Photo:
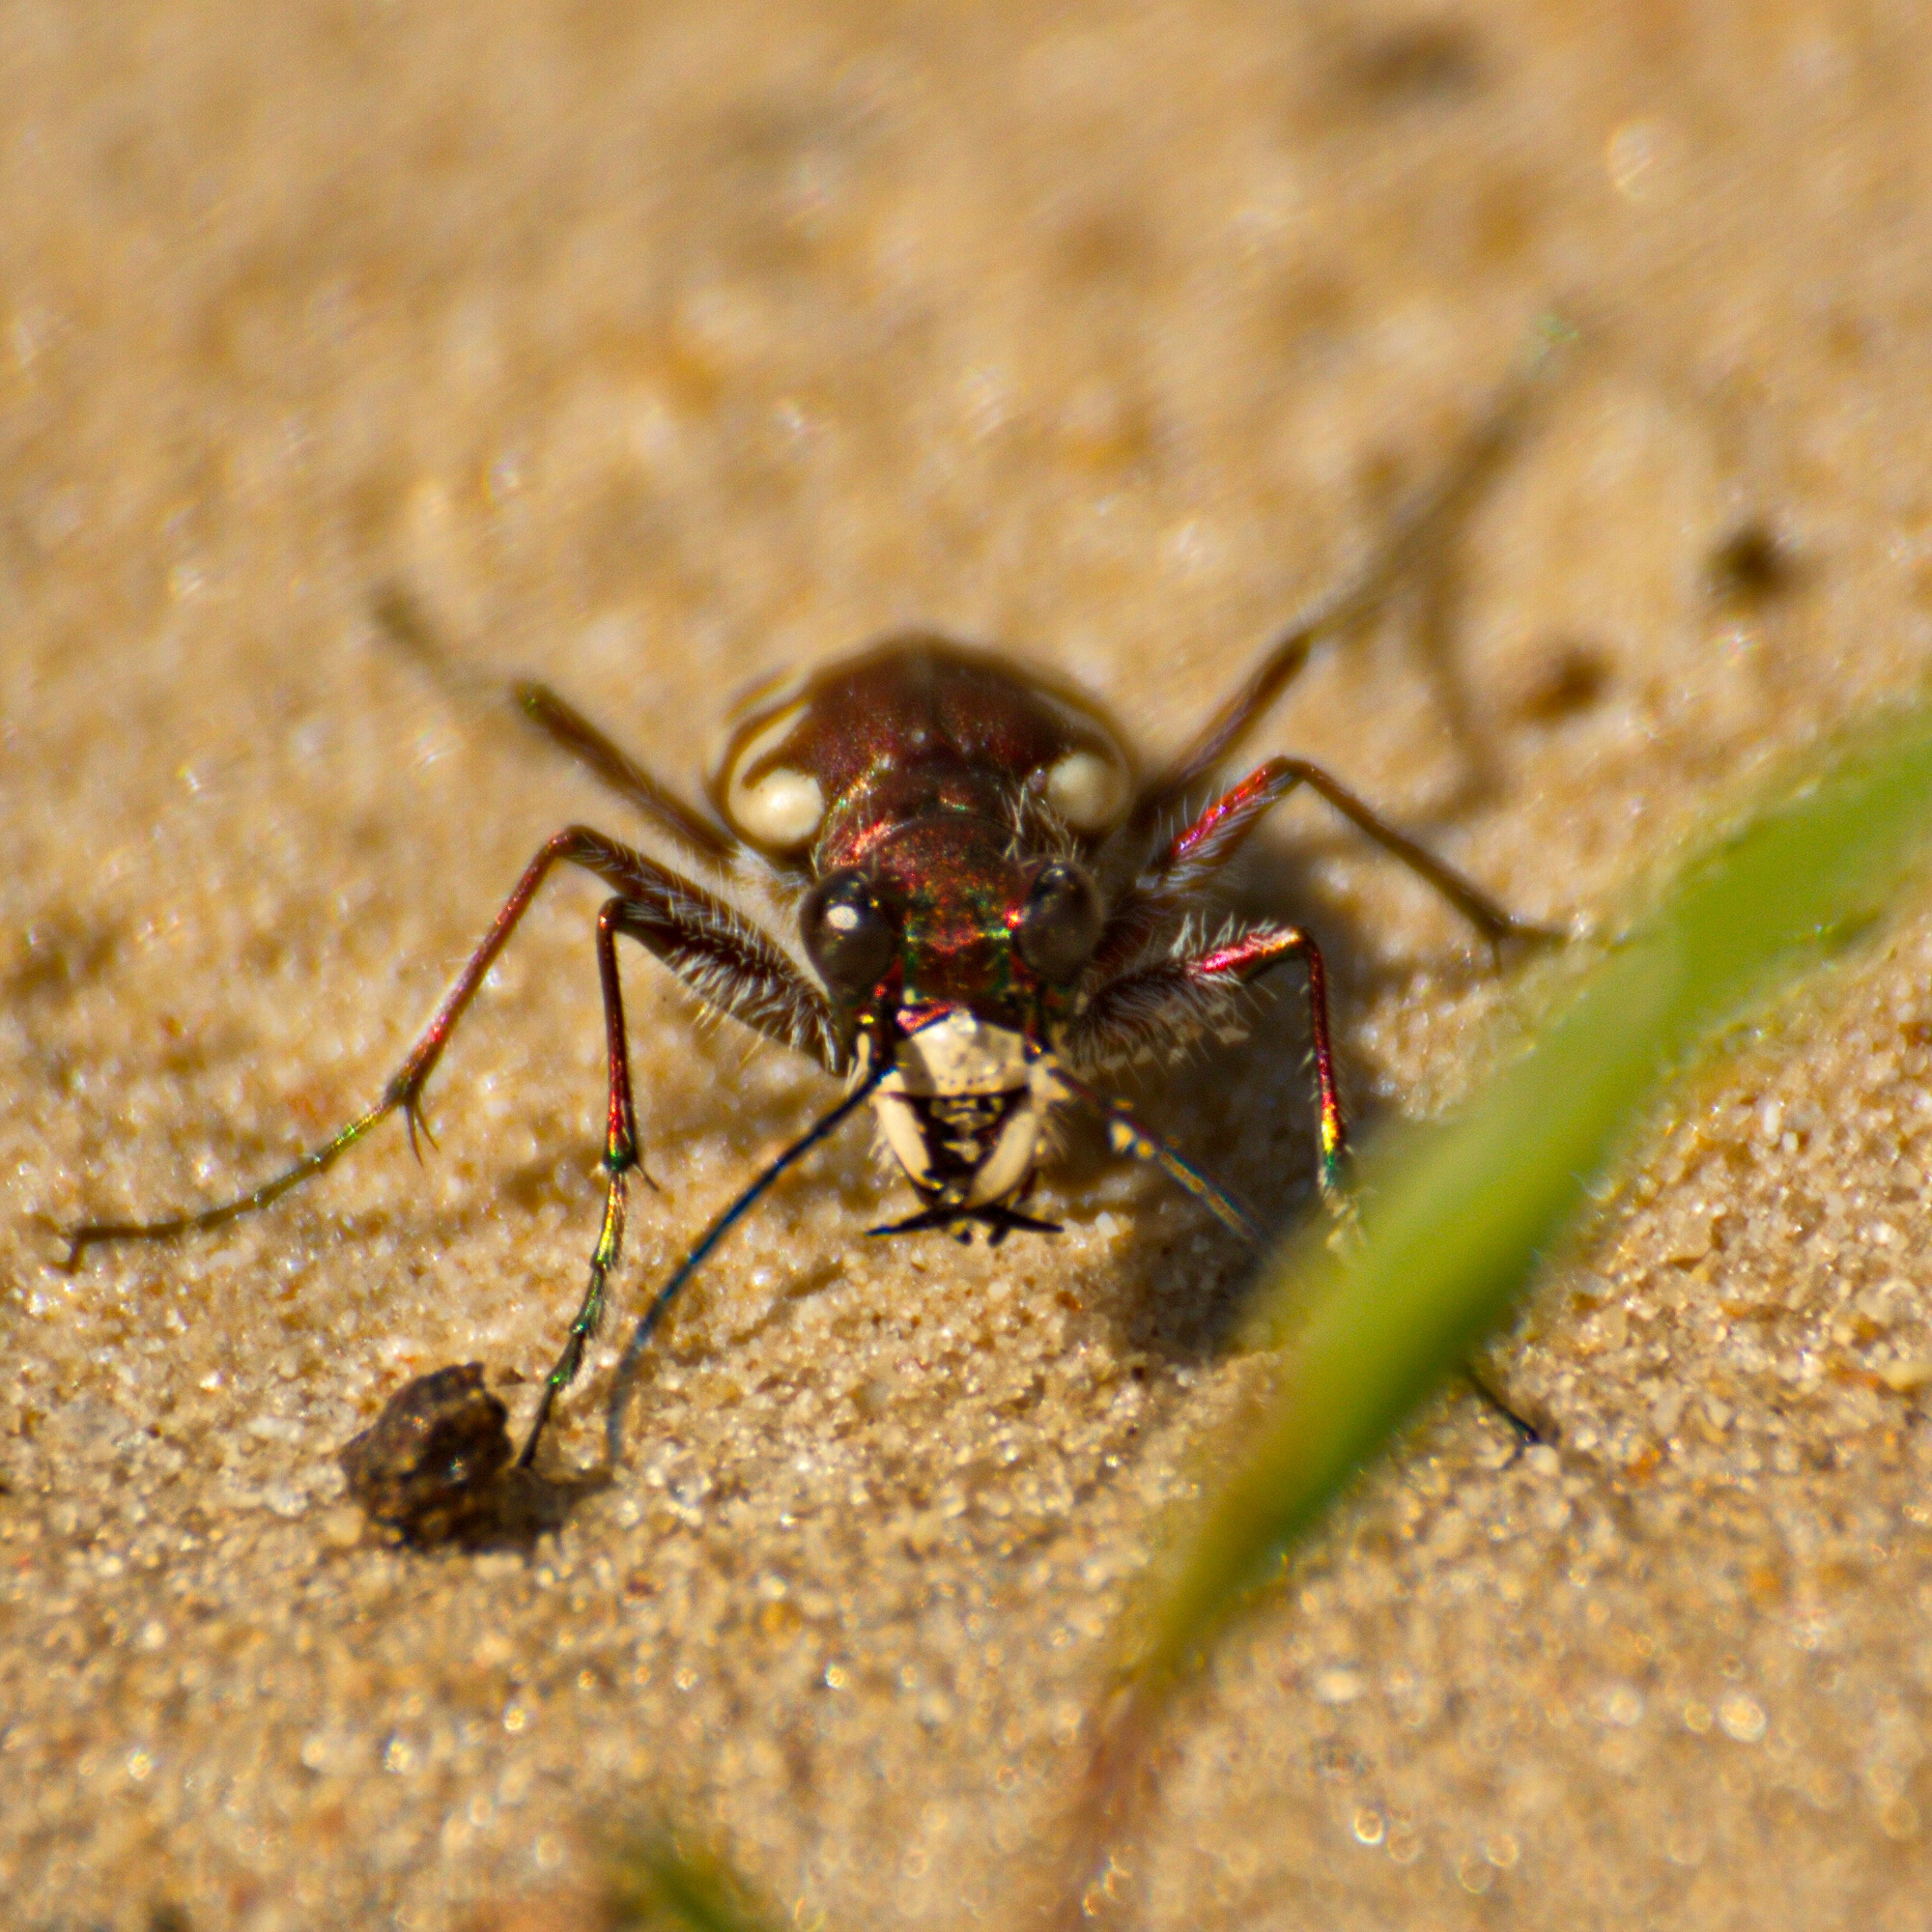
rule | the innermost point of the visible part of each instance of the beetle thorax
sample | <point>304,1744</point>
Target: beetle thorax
<point>963,1107</point>
<point>959,887</point>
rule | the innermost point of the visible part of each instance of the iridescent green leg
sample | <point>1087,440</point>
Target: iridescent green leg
<point>578,845</point>
<point>93,1233</point>
<point>620,1157</point>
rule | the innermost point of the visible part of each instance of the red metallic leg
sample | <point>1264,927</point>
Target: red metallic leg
<point>700,940</point>
<point>728,963</point>
<point>1177,997</point>
<point>404,1090</point>
<point>620,1157</point>
<point>1213,839</point>
<point>1247,958</point>
<point>1169,881</point>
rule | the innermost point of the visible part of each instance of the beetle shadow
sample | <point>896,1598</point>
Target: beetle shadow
<point>523,1505</point>
<point>511,1512</point>
<point>1244,1115</point>
<point>1246,1111</point>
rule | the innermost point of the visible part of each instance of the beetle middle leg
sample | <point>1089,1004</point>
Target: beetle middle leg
<point>1147,995</point>
<point>1161,894</point>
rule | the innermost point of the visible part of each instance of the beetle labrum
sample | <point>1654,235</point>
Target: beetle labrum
<point>989,914</point>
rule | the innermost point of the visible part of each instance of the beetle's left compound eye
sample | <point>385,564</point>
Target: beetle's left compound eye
<point>849,936</point>
<point>1061,923</point>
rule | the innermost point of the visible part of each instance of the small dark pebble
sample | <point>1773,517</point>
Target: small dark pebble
<point>1573,678</point>
<point>1425,60</point>
<point>1751,565</point>
<point>428,1465</point>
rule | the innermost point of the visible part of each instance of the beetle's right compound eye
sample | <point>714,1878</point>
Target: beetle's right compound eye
<point>849,936</point>
<point>1061,923</point>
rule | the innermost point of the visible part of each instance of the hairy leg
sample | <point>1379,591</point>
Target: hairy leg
<point>1191,989</point>
<point>1167,883</point>
<point>725,961</point>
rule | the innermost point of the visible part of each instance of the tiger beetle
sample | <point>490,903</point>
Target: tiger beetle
<point>993,909</point>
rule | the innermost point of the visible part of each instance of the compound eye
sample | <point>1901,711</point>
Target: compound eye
<point>848,935</point>
<point>1061,923</point>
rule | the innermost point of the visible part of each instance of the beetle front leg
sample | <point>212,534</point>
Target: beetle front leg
<point>1187,991</point>
<point>621,1158</point>
<point>1245,959</point>
<point>577,845</point>
<point>734,969</point>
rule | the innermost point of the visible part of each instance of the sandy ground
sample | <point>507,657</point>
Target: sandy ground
<point>659,349</point>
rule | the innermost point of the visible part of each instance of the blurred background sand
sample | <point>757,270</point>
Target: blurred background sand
<point>662,347</point>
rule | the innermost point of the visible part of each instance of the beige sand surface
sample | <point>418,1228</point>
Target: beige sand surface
<point>659,348</point>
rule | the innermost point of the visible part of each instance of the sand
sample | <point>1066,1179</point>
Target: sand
<point>660,350</point>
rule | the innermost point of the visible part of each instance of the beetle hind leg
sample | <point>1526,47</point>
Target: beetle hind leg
<point>1422,526</point>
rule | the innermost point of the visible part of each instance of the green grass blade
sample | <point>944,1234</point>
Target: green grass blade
<point>656,1884</point>
<point>1458,1214</point>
